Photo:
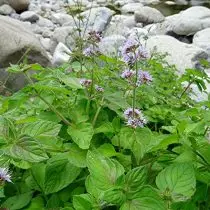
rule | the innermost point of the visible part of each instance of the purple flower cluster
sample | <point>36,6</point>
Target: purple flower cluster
<point>90,51</point>
<point>95,36</point>
<point>5,175</point>
<point>99,89</point>
<point>85,82</point>
<point>144,77</point>
<point>127,74</point>
<point>132,51</point>
<point>135,118</point>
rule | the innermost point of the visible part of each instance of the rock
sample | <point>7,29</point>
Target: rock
<point>46,43</point>
<point>61,18</point>
<point>162,28</point>
<point>5,9</point>
<point>120,25</point>
<point>96,19</point>
<point>202,39</point>
<point>138,34</point>
<point>181,54</point>
<point>192,20</point>
<point>110,45</point>
<point>29,16</point>
<point>44,22</point>
<point>18,5</point>
<point>61,55</point>
<point>65,35</point>
<point>148,15</point>
<point>15,40</point>
<point>131,8</point>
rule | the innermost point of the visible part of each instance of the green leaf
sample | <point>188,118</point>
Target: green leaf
<point>104,171</point>
<point>135,179</point>
<point>28,149</point>
<point>114,196</point>
<point>41,129</point>
<point>107,150</point>
<point>84,202</point>
<point>18,201</point>
<point>59,174</point>
<point>105,128</point>
<point>178,181</point>
<point>71,82</point>
<point>204,150</point>
<point>36,180</point>
<point>137,140</point>
<point>36,203</point>
<point>116,100</point>
<point>81,134</point>
<point>146,199</point>
<point>77,156</point>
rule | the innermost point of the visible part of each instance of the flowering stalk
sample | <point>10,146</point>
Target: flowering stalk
<point>131,53</point>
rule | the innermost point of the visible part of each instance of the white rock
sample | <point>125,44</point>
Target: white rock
<point>61,55</point>
<point>5,9</point>
<point>97,18</point>
<point>61,18</point>
<point>181,54</point>
<point>44,22</point>
<point>148,15</point>
<point>192,20</point>
<point>202,39</point>
<point>138,34</point>
<point>29,16</point>
<point>46,43</point>
<point>131,8</point>
<point>111,44</point>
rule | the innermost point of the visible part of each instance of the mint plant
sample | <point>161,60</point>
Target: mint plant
<point>118,133</point>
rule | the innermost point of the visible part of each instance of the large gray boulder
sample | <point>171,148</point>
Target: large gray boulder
<point>180,54</point>
<point>202,39</point>
<point>192,20</point>
<point>187,22</point>
<point>97,18</point>
<point>148,15</point>
<point>15,40</point>
<point>18,5</point>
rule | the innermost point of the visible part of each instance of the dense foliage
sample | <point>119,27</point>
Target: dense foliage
<point>105,133</point>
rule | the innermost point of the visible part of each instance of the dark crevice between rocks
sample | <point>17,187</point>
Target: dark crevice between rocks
<point>181,38</point>
<point>114,8</point>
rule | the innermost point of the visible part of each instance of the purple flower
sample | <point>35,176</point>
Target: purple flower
<point>135,118</point>
<point>132,51</point>
<point>90,51</point>
<point>85,82</point>
<point>130,112</point>
<point>144,77</point>
<point>99,89</point>
<point>142,53</point>
<point>134,123</point>
<point>5,175</point>
<point>94,36</point>
<point>127,74</point>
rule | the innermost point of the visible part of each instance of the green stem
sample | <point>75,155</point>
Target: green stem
<point>46,102</point>
<point>185,90</point>
<point>134,88</point>
<point>97,112</point>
